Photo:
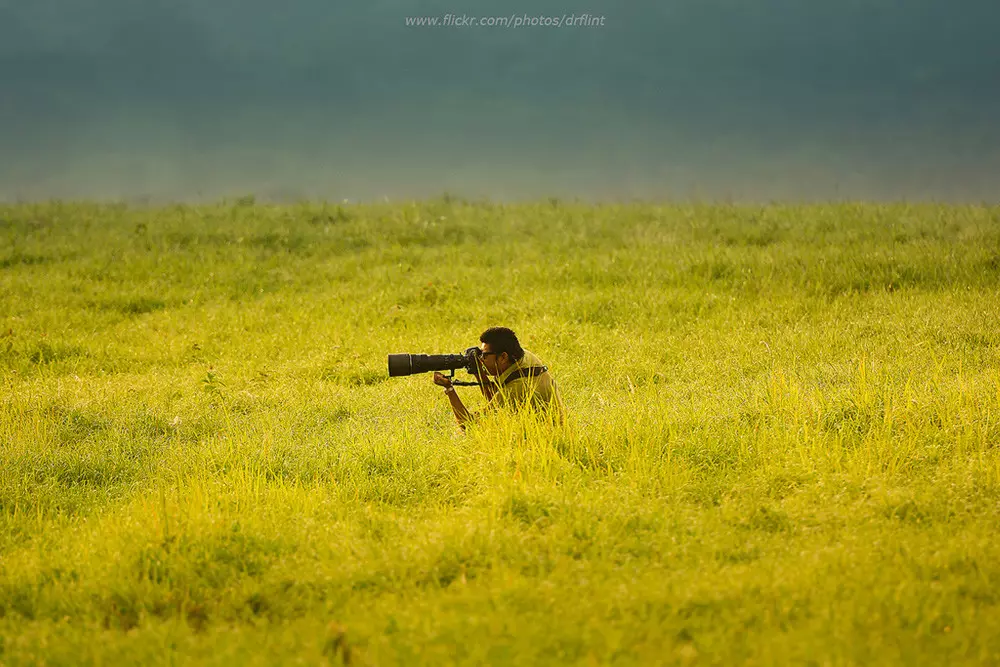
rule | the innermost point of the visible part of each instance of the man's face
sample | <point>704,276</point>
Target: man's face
<point>494,363</point>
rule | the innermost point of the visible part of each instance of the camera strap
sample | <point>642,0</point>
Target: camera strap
<point>533,371</point>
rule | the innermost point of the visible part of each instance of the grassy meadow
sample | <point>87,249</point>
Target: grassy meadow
<point>783,444</point>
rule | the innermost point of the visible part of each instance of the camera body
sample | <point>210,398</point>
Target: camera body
<point>401,365</point>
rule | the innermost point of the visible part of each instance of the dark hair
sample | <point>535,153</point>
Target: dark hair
<point>502,339</point>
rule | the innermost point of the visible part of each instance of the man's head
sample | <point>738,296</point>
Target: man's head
<point>500,349</point>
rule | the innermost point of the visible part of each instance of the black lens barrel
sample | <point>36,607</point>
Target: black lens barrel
<point>410,364</point>
<point>399,365</point>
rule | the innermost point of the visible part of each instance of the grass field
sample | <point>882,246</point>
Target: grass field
<point>783,445</point>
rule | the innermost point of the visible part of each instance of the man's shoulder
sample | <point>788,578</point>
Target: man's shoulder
<point>530,360</point>
<point>528,371</point>
<point>528,366</point>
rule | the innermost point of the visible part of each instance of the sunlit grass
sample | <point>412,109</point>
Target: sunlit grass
<point>782,444</point>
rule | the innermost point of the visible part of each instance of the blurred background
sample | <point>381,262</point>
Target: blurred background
<point>690,99</point>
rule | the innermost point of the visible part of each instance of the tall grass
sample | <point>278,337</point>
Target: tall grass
<point>782,442</point>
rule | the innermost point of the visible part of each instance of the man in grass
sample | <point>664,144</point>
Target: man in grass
<point>522,380</point>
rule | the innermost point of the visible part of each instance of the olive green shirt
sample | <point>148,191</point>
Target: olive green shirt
<point>538,391</point>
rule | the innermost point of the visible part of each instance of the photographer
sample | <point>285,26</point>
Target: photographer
<point>521,379</point>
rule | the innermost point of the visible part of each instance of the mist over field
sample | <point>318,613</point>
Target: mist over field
<point>696,99</point>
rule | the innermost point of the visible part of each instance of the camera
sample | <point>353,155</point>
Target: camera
<point>401,365</point>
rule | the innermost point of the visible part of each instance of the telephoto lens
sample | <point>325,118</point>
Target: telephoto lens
<point>400,365</point>
<point>410,364</point>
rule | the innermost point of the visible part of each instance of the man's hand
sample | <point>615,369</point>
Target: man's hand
<point>442,380</point>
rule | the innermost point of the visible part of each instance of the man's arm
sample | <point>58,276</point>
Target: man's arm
<point>487,387</point>
<point>462,414</point>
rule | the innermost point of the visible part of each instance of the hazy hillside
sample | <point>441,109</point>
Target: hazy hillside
<point>777,98</point>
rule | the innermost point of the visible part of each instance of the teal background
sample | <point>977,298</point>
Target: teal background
<point>707,99</point>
